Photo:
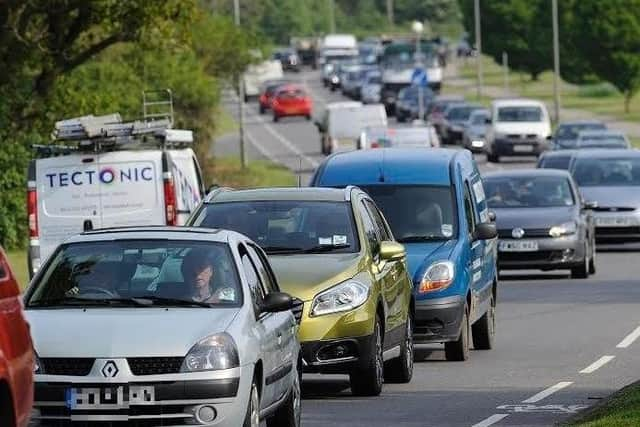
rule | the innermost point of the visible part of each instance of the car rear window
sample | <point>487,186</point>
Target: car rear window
<point>556,162</point>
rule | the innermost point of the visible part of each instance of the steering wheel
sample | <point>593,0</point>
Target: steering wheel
<point>95,289</point>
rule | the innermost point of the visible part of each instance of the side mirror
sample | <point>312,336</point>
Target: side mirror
<point>392,251</point>
<point>485,231</point>
<point>212,187</point>
<point>492,216</point>
<point>276,302</point>
<point>589,204</point>
<point>549,137</point>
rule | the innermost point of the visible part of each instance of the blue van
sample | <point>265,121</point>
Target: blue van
<point>434,202</point>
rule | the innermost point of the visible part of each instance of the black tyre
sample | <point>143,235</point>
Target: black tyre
<point>400,369</point>
<point>484,330</point>
<point>592,261</point>
<point>458,350</point>
<point>582,271</point>
<point>308,117</point>
<point>289,414</point>
<point>493,158</point>
<point>276,118</point>
<point>262,109</point>
<point>252,418</point>
<point>400,118</point>
<point>368,381</point>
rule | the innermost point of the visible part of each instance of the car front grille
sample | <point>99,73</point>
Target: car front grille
<point>296,309</point>
<point>73,366</point>
<point>614,209</point>
<point>154,365</point>
<point>528,232</point>
<point>536,256</point>
<point>604,231</point>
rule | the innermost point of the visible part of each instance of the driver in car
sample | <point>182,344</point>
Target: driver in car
<point>100,280</point>
<point>198,271</point>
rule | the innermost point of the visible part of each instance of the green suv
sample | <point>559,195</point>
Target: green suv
<point>334,252</point>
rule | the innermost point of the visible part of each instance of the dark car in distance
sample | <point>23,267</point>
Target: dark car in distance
<point>567,133</point>
<point>542,221</point>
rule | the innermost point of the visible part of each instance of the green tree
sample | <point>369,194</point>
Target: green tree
<point>518,27</point>
<point>608,35</point>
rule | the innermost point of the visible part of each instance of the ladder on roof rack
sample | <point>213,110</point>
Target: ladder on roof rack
<point>157,104</point>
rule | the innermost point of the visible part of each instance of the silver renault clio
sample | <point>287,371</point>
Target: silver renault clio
<point>163,326</point>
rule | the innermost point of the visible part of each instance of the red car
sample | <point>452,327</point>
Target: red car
<point>268,89</point>
<point>16,353</point>
<point>291,100</point>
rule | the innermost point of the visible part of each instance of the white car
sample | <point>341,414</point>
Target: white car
<point>171,326</point>
<point>517,127</point>
<point>257,74</point>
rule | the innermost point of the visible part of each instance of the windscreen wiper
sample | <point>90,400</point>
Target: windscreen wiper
<point>280,249</point>
<point>417,239</point>
<point>79,301</point>
<point>167,301</point>
<point>325,248</point>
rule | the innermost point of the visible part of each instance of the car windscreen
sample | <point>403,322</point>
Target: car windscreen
<point>460,113</point>
<point>374,80</point>
<point>479,118</point>
<point>139,273</point>
<point>520,114</point>
<point>602,141</point>
<point>555,162</point>
<point>607,172</point>
<point>287,226</point>
<point>571,131</point>
<point>528,192</point>
<point>416,212</point>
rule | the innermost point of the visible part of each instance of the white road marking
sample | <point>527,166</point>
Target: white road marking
<point>491,420</point>
<point>544,409</point>
<point>548,392</point>
<point>287,143</point>
<point>597,364</point>
<point>629,339</point>
<point>268,154</point>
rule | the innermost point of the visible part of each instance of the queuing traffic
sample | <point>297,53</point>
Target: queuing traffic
<point>400,240</point>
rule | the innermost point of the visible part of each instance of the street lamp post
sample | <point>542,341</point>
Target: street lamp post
<point>243,154</point>
<point>418,28</point>
<point>476,8</point>
<point>556,62</point>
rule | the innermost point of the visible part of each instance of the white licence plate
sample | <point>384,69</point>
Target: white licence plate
<point>522,148</point>
<point>518,246</point>
<point>108,398</point>
<point>613,221</point>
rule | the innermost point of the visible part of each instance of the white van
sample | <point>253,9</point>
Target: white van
<point>342,125</point>
<point>517,127</point>
<point>337,46</point>
<point>257,74</point>
<point>99,182</point>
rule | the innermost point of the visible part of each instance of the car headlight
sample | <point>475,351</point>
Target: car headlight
<point>335,79</point>
<point>213,353</point>
<point>565,229</point>
<point>343,297</point>
<point>438,276</point>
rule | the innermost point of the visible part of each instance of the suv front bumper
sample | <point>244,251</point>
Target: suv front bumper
<point>337,356</point>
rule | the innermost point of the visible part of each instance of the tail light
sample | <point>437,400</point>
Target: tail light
<point>32,212</point>
<point>375,144</point>
<point>170,199</point>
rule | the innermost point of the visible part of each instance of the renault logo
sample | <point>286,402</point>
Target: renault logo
<point>110,370</point>
<point>517,233</point>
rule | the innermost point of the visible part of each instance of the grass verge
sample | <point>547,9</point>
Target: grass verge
<point>227,172</point>
<point>224,123</point>
<point>622,409</point>
<point>600,98</point>
<point>18,261</point>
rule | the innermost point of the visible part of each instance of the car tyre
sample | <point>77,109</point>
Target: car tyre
<point>262,109</point>
<point>581,271</point>
<point>252,418</point>
<point>493,158</point>
<point>400,369</point>
<point>368,381</point>
<point>400,118</point>
<point>289,414</point>
<point>308,117</point>
<point>276,118</point>
<point>458,350</point>
<point>484,330</point>
<point>592,261</point>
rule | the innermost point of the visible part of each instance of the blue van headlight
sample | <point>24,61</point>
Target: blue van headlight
<point>438,276</point>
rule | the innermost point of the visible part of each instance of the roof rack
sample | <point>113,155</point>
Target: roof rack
<point>157,104</point>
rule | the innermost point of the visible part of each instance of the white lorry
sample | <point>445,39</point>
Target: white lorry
<point>108,173</point>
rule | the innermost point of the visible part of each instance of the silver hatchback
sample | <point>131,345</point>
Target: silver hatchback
<point>163,326</point>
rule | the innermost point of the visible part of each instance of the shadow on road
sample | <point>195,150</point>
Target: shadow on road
<point>534,276</point>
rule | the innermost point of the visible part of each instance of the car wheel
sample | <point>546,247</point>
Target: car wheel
<point>252,418</point>
<point>458,350</point>
<point>289,414</point>
<point>368,381</point>
<point>400,369</point>
<point>581,271</point>
<point>592,261</point>
<point>484,330</point>
<point>276,118</point>
<point>400,118</point>
<point>262,109</point>
<point>493,158</point>
<point>308,117</point>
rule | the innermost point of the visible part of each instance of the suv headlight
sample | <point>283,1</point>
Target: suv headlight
<point>213,353</point>
<point>438,276</point>
<point>343,297</point>
<point>563,229</point>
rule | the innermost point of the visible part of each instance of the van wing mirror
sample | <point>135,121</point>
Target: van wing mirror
<point>492,216</point>
<point>589,204</point>
<point>485,231</point>
<point>392,251</point>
